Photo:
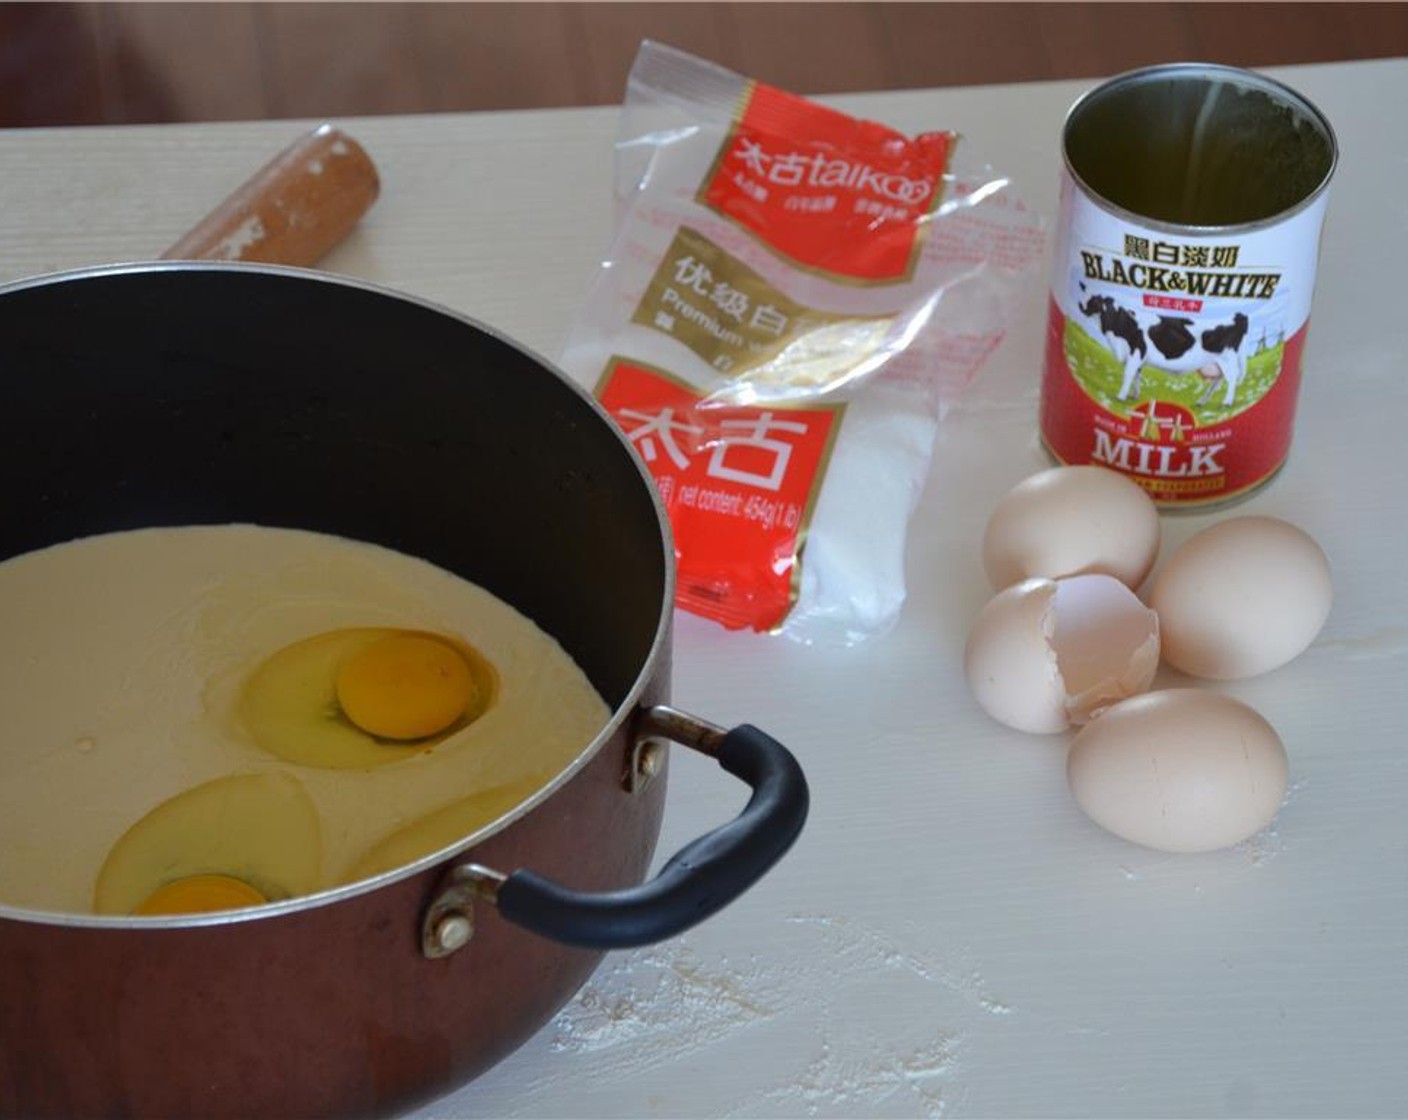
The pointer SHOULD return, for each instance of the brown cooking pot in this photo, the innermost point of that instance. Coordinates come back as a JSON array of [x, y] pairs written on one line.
[[180, 394]]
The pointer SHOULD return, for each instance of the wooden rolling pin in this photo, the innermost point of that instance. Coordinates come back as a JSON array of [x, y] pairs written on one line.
[[293, 210]]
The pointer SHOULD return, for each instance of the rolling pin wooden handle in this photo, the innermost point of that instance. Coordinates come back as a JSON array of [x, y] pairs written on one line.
[[293, 210]]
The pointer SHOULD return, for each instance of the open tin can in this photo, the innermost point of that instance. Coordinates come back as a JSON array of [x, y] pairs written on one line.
[[1192, 201]]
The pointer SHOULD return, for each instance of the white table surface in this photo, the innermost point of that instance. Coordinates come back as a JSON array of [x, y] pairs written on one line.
[[950, 936]]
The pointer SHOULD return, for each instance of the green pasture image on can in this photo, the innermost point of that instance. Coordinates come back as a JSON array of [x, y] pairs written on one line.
[[1192, 202]]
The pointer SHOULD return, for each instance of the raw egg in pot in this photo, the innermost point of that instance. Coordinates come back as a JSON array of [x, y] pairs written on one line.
[[200, 894], [364, 697], [441, 828], [234, 842]]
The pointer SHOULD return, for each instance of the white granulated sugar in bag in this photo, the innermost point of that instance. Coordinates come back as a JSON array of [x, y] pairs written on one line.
[[853, 575]]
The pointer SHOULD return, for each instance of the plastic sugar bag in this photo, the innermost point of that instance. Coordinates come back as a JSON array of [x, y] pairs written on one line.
[[791, 299]]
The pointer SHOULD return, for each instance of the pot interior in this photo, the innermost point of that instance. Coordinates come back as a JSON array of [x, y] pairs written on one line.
[[198, 394]]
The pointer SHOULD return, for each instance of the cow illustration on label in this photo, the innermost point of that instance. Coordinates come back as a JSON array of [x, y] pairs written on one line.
[[1215, 364], [1217, 354]]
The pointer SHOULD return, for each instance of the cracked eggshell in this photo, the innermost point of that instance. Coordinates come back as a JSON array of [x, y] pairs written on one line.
[[1045, 654], [1242, 597], [1180, 770], [1072, 521]]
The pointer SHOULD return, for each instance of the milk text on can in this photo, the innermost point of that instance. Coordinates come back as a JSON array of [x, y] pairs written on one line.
[[1191, 206]]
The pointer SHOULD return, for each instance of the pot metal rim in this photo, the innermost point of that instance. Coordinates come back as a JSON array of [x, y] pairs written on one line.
[[1254, 78], [618, 718]]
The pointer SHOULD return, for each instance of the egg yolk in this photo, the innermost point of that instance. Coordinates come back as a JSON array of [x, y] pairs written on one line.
[[199, 894], [406, 686]]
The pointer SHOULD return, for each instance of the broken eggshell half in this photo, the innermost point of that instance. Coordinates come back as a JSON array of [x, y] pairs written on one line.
[[1045, 654]]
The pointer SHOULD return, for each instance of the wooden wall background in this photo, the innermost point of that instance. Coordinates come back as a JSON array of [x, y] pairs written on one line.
[[118, 63]]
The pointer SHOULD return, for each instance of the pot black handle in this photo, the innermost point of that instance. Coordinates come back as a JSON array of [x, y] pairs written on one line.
[[698, 881]]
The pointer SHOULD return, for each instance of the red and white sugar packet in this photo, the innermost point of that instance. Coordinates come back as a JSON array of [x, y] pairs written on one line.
[[791, 299]]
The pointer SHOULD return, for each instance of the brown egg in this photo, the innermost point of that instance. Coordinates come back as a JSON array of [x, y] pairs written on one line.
[[1070, 521], [1181, 770], [1241, 598]]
